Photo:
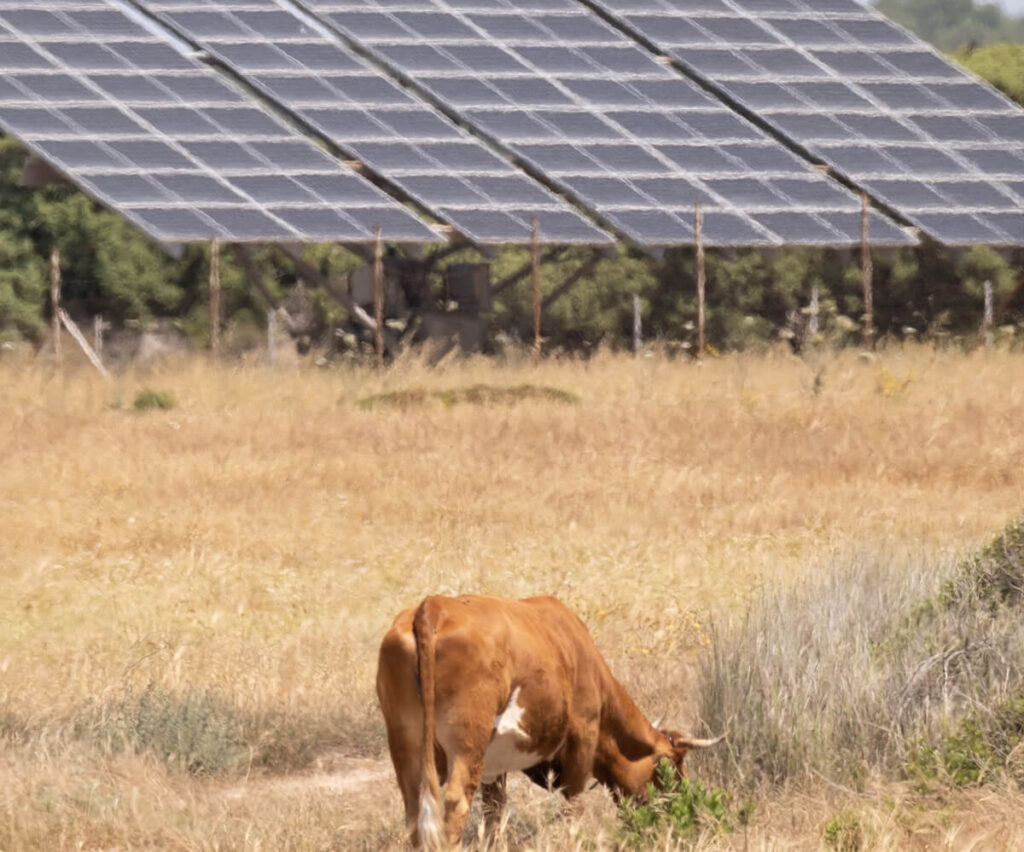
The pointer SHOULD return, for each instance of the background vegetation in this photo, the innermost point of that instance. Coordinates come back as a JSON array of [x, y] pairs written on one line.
[[952, 24], [753, 297]]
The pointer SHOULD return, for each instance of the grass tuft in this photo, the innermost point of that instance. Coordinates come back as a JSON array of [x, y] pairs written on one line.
[[197, 732], [845, 833], [149, 400]]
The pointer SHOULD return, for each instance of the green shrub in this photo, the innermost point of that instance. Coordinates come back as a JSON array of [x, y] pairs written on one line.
[[146, 400], [995, 576], [980, 747], [676, 807], [194, 731]]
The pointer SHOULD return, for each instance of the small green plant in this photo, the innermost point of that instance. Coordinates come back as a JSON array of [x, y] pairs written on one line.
[[146, 400], [677, 807], [844, 832]]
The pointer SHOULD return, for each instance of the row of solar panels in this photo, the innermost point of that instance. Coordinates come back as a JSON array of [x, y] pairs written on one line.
[[484, 113]]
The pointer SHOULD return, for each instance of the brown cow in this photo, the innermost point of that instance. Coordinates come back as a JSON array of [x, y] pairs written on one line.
[[474, 687]]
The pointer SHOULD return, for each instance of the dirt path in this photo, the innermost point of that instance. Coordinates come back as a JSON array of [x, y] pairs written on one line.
[[346, 776]]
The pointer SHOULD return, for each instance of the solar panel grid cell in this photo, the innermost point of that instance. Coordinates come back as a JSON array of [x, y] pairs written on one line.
[[578, 101], [371, 117], [139, 124], [898, 109]]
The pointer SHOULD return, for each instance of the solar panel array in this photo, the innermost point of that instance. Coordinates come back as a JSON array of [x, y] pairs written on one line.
[[162, 139], [582, 104], [348, 101], [863, 95]]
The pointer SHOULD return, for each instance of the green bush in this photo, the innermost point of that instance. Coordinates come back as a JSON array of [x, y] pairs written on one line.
[[993, 577], [146, 400], [979, 748], [676, 807]]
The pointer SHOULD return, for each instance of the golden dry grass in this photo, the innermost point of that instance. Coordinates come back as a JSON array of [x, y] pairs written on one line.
[[257, 539]]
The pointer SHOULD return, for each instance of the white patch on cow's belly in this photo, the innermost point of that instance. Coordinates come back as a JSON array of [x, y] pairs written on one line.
[[508, 750]]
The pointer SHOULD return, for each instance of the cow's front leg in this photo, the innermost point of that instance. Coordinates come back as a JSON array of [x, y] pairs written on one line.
[[493, 797], [578, 760]]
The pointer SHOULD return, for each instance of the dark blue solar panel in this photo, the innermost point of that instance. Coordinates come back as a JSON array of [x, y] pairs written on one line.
[[158, 136], [372, 118], [854, 89], [593, 112]]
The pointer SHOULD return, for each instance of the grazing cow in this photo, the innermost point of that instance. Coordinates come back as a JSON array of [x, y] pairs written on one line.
[[474, 687]]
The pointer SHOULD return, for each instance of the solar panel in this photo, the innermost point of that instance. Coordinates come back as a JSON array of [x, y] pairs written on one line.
[[344, 98], [584, 105], [864, 96], [164, 141]]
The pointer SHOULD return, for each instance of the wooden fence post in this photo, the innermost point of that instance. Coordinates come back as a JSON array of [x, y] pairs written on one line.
[[79, 338], [866, 274], [378, 296], [272, 336], [989, 319], [55, 303], [214, 298], [98, 328], [535, 267], [638, 325], [699, 233]]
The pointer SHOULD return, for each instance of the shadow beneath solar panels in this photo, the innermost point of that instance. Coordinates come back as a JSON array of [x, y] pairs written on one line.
[[472, 395]]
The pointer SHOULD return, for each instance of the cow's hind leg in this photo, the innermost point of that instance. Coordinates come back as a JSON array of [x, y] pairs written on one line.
[[463, 779], [403, 718], [492, 798]]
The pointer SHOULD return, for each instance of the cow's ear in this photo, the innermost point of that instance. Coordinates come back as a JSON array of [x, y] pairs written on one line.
[[671, 735]]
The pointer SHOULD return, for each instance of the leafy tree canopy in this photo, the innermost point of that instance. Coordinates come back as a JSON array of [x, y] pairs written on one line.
[[950, 24], [1001, 64]]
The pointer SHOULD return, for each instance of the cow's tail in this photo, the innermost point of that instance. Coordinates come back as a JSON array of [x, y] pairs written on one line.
[[430, 822]]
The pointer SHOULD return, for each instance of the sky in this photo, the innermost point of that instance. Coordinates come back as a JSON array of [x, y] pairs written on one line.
[[1015, 7]]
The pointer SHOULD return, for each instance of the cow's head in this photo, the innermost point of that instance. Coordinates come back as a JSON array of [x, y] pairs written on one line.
[[668, 745], [674, 746]]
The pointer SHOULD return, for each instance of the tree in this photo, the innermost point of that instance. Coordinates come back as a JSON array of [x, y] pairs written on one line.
[[1001, 64], [949, 24]]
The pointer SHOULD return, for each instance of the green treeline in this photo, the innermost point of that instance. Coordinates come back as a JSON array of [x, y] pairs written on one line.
[[952, 24], [110, 268]]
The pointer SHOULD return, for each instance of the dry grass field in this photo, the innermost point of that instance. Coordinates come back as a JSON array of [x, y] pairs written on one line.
[[224, 569]]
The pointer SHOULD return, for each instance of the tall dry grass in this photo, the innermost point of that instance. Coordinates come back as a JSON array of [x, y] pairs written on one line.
[[843, 677], [252, 543]]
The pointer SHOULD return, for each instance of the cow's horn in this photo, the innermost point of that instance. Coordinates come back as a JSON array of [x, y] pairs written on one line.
[[691, 742], [658, 722]]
